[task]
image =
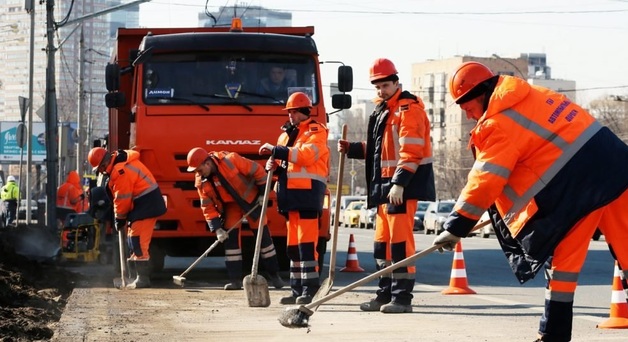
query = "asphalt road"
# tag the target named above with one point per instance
(502, 310)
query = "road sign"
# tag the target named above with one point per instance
(353, 173)
(20, 135)
(23, 106)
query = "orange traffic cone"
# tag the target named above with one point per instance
(619, 306)
(458, 281)
(352, 264)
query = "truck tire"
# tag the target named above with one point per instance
(157, 258)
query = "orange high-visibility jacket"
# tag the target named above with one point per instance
(545, 163)
(135, 192)
(69, 193)
(244, 180)
(398, 150)
(304, 167)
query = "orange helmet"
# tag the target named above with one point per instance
(196, 157)
(382, 68)
(298, 100)
(466, 77)
(96, 155)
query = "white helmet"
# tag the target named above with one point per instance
(10, 179)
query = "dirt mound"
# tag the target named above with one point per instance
(33, 293)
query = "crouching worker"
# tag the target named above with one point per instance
(137, 202)
(229, 186)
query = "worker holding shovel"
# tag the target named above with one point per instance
(301, 161)
(229, 186)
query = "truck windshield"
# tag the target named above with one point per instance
(228, 78)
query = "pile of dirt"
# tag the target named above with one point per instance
(33, 293)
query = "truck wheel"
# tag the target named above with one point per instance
(157, 258)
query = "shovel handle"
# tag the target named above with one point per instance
(122, 258)
(334, 238)
(260, 227)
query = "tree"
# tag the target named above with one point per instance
(612, 112)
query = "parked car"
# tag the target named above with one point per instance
(419, 214)
(487, 230)
(435, 215)
(367, 217)
(351, 214)
(344, 202)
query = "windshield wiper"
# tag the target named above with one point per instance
(183, 99)
(264, 96)
(225, 97)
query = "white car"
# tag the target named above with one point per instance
(436, 214)
(367, 217)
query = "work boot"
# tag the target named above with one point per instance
(393, 307)
(372, 305)
(304, 299)
(276, 280)
(288, 300)
(234, 285)
(143, 275)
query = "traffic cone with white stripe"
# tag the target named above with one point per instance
(458, 281)
(619, 305)
(352, 264)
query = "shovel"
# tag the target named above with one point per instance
(120, 283)
(180, 279)
(329, 282)
(256, 286)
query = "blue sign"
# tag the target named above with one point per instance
(11, 151)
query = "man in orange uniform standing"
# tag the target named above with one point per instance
(70, 196)
(229, 186)
(550, 174)
(301, 161)
(399, 172)
(137, 202)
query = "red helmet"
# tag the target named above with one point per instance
(382, 68)
(196, 157)
(298, 100)
(466, 77)
(96, 155)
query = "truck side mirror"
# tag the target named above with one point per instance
(112, 77)
(341, 101)
(115, 100)
(345, 79)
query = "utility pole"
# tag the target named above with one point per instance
(30, 8)
(81, 106)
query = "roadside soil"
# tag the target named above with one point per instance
(33, 289)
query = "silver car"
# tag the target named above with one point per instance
(436, 214)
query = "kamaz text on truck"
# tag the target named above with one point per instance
(172, 89)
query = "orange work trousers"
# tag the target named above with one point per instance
(139, 234)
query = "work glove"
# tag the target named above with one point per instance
(266, 149)
(448, 240)
(270, 164)
(221, 235)
(395, 195)
(343, 146)
(120, 224)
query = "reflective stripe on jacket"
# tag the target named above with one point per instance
(69, 193)
(545, 163)
(136, 195)
(243, 176)
(398, 150)
(302, 186)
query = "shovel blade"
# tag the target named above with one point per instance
(120, 283)
(256, 289)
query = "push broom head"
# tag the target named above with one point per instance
(178, 280)
(296, 317)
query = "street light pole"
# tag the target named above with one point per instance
(511, 64)
(29, 129)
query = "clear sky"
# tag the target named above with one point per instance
(585, 40)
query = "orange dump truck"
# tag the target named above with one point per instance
(172, 89)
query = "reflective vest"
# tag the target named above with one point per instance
(10, 192)
(545, 163)
(398, 150)
(244, 178)
(136, 195)
(304, 167)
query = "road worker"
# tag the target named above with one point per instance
(399, 173)
(137, 202)
(229, 185)
(70, 196)
(550, 174)
(10, 194)
(301, 161)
